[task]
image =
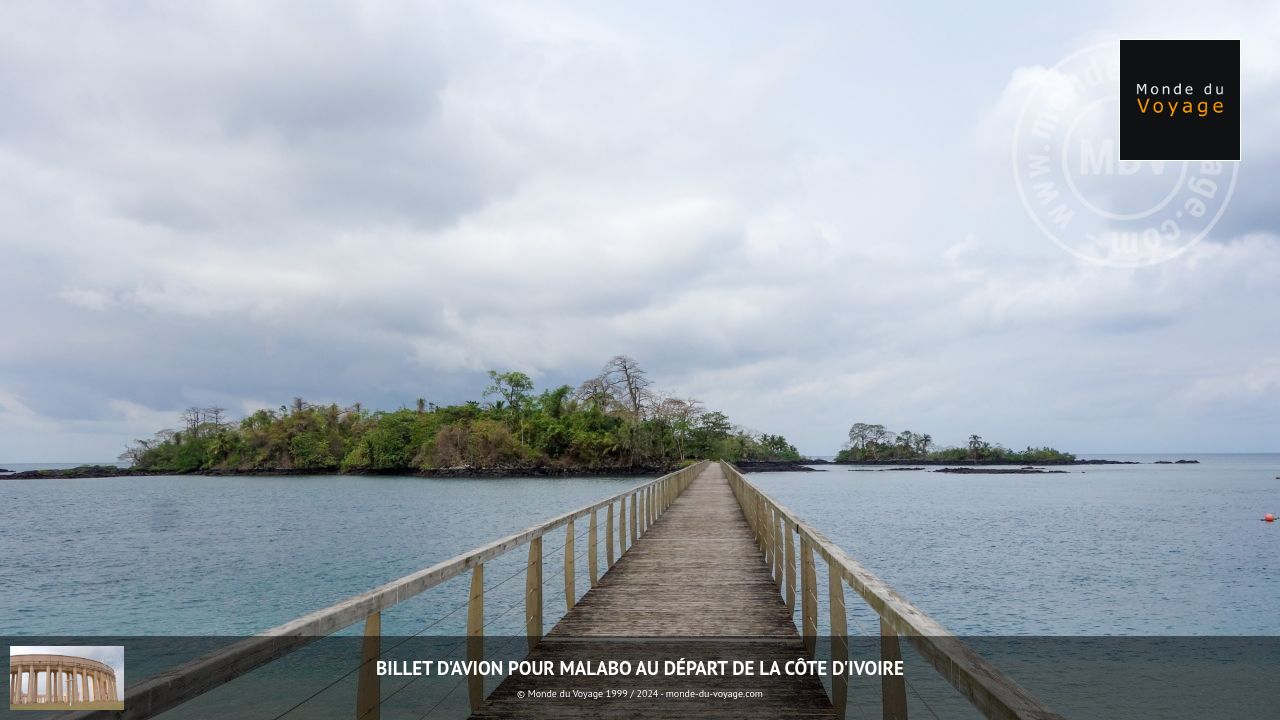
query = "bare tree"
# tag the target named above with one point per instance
(215, 416)
(595, 392)
(629, 380)
(135, 452)
(191, 418)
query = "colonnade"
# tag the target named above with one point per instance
(60, 679)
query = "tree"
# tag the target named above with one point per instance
(215, 416)
(514, 388)
(860, 434)
(975, 446)
(629, 381)
(595, 393)
(614, 420)
(679, 416)
(191, 418)
(922, 444)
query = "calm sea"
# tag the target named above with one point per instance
(1135, 550)
(1121, 549)
(1100, 550)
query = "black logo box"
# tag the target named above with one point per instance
(1187, 69)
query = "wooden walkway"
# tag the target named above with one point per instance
(694, 586)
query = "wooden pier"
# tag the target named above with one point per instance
(698, 564)
(697, 575)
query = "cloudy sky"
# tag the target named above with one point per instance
(804, 217)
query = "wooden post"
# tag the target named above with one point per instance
(893, 688)
(791, 570)
(766, 522)
(649, 506)
(839, 641)
(808, 597)
(622, 527)
(635, 533)
(764, 528)
(753, 516)
(533, 594)
(475, 636)
(367, 692)
(759, 519)
(591, 550)
(776, 529)
(608, 537)
(570, 585)
(642, 498)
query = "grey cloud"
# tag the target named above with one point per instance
(236, 205)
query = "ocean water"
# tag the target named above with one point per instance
(1062, 561)
(199, 556)
(1145, 549)
(1100, 550)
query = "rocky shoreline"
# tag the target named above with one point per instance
(1000, 471)
(994, 468)
(108, 471)
(746, 466)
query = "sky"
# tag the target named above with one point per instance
(804, 216)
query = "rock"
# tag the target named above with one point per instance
(998, 471)
(82, 471)
(749, 466)
(1106, 462)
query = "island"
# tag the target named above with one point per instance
(615, 423)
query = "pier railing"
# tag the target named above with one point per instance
(637, 509)
(777, 530)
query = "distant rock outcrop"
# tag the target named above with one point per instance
(83, 471)
(998, 471)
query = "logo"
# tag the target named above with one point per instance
(1180, 99)
(1083, 195)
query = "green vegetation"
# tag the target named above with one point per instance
(874, 443)
(612, 421)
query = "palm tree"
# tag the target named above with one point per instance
(975, 444)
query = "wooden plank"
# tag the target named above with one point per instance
(591, 550)
(570, 571)
(791, 570)
(368, 696)
(839, 643)
(475, 635)
(533, 594)
(808, 597)
(622, 527)
(893, 688)
(775, 532)
(608, 537)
